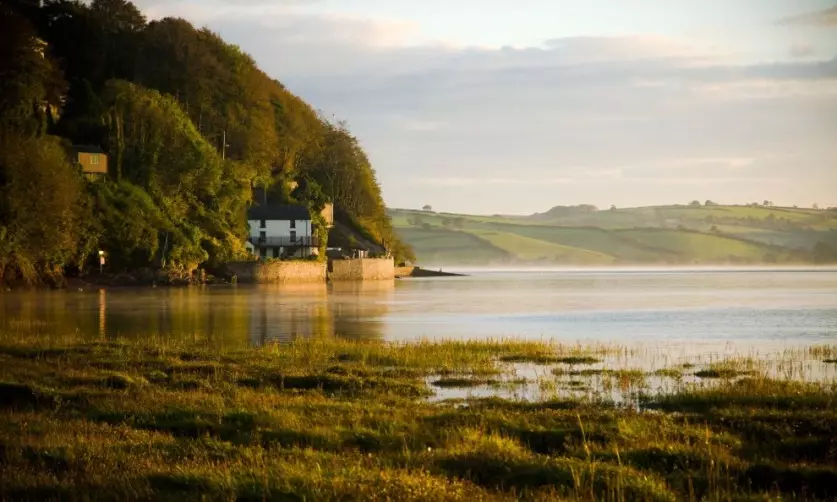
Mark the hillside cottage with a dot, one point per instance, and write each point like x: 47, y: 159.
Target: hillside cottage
x: 281, y: 231
x: 93, y: 161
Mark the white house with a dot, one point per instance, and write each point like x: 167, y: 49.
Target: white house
x: 280, y: 231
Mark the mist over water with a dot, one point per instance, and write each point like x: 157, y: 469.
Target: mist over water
x: 683, y: 309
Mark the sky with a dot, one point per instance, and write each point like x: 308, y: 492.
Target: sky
x: 516, y: 106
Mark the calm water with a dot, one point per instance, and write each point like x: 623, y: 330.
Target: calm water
x: 702, y: 308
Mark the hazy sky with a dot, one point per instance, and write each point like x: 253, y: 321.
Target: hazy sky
x: 514, y: 106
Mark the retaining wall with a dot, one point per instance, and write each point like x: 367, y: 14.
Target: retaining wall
x: 278, y: 272
x: 362, y: 269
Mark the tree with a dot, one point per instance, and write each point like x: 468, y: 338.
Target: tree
x: 118, y: 16
x: 30, y: 83
x: 427, y: 208
x: 189, y: 122
x: 130, y: 225
x: 347, y: 178
x: 44, y: 212
x: 309, y: 193
x: 156, y: 147
x: 695, y: 203
x: 710, y: 203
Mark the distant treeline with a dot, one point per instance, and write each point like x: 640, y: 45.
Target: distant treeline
x: 159, y: 98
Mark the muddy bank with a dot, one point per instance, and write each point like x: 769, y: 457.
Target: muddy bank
x: 404, y: 272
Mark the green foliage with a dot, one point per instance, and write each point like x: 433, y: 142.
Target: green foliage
x: 224, y: 93
x: 343, y: 171
x: 189, y: 122
x: 44, y: 212
x: 158, y: 148
x: 130, y: 222
x: 309, y: 193
x: 30, y: 82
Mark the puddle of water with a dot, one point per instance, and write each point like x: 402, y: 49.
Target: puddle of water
x: 626, y: 375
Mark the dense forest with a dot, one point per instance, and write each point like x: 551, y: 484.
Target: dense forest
x: 190, y: 124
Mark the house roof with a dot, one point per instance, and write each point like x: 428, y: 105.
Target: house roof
x: 87, y: 149
x: 278, y: 212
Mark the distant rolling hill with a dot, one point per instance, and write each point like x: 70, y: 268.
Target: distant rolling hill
x: 582, y: 235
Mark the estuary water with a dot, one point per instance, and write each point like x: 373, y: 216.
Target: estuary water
x: 690, y: 309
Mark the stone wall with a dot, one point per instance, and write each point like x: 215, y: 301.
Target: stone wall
x: 278, y: 272
x: 363, y: 269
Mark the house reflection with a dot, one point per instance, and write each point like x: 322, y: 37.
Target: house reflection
x: 286, y: 312
x: 359, y: 308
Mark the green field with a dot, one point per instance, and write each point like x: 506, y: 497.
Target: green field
x: 645, y: 235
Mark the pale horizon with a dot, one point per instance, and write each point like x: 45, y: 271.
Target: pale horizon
x: 516, y: 107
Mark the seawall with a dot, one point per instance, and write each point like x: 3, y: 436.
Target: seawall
x: 278, y: 272
x: 362, y: 269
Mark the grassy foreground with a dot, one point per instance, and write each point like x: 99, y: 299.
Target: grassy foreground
x: 339, y: 420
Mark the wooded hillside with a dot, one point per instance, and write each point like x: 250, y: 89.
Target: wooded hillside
x: 159, y: 98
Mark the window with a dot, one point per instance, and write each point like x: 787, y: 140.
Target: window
x: 94, y: 159
x: 293, y: 235
x: 276, y: 252
x: 263, y: 224
x: 293, y: 223
x: 262, y: 237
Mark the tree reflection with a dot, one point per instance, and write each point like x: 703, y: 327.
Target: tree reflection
x: 212, y: 316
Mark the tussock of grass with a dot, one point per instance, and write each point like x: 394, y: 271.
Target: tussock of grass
x: 462, y: 382
x: 721, y: 373
x: 501, y: 463
x: 340, y: 420
x: 669, y: 373
x: 549, y: 359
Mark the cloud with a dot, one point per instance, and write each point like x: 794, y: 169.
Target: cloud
x: 824, y: 18
x: 614, y: 119
x: 801, y: 49
x: 731, y: 162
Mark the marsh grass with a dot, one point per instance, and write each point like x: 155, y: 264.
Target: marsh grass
x: 341, y: 420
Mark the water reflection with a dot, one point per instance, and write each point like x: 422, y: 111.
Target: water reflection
x: 103, y: 309
x: 283, y: 313
x: 684, y: 311
x: 228, y: 316
x: 359, y: 308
